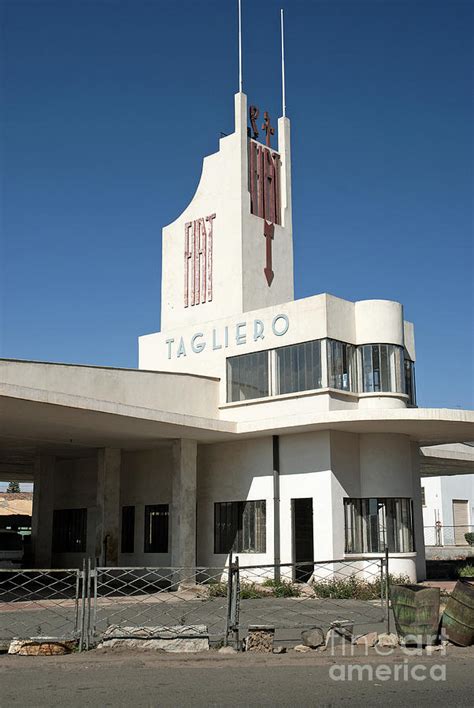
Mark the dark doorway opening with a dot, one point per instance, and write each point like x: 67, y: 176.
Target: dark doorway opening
x: 303, y: 548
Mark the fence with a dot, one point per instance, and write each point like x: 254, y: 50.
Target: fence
x: 42, y: 603
x: 440, y: 535
x: 181, y: 603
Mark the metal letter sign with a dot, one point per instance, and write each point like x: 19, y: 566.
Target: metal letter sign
x: 198, y: 235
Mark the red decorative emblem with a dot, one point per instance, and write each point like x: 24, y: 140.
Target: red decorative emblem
x: 198, y: 235
x: 268, y: 231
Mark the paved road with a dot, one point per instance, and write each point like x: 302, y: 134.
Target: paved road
x: 97, y: 679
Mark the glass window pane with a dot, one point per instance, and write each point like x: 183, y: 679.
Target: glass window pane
x: 299, y: 367
x: 341, y: 365
x: 247, y: 376
x: 372, y: 524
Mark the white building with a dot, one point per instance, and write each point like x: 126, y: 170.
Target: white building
x: 284, y: 429
x: 448, y: 501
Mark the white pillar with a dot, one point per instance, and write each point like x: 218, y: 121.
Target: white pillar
x: 183, y: 506
x: 43, y: 507
x: 108, y: 506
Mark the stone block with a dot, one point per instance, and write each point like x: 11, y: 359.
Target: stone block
x: 313, y: 638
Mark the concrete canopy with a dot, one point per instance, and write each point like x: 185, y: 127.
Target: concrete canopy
x: 80, y: 408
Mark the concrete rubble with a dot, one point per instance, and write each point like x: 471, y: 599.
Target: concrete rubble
x: 45, y: 646
x: 259, y: 639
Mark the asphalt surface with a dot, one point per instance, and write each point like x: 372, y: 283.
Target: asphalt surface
x: 211, y: 679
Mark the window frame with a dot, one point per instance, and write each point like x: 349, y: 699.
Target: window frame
x: 232, y: 526
x: 373, y: 523
x: 69, y: 530
x: 160, y: 544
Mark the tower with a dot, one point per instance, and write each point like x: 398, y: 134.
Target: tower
x: 231, y: 250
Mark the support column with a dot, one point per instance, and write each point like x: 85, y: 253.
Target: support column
x: 183, y: 506
x: 43, y: 507
x: 108, y: 503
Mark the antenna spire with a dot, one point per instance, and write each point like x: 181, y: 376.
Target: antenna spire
x: 283, y: 90
x: 240, y: 47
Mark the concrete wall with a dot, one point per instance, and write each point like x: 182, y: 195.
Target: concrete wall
x: 234, y: 471
x: 146, y: 478
x: 75, y: 487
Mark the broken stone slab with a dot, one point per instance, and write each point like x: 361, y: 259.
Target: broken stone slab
x: 313, y: 638
x: 186, y: 646
x: 178, y: 631
x: 41, y: 647
x: 176, y: 638
x: 387, y: 640
x: 366, y: 640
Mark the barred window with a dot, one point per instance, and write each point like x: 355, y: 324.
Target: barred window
x: 240, y: 526
x: 299, y: 367
x: 247, y: 376
x: 69, y: 530
x: 373, y: 524
x: 128, y: 529
x: 156, y: 528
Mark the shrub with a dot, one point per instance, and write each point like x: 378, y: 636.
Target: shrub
x: 469, y: 538
x: 282, y: 588
x: 354, y: 588
x: 467, y: 571
x: 217, y: 589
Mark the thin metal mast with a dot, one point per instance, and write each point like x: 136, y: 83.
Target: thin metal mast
x: 240, y: 47
x: 283, y: 89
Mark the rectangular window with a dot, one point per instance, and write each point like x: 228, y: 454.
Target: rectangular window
x: 128, y: 529
x: 240, y: 527
x: 299, y: 367
x: 69, y: 530
x: 156, y: 528
x: 410, y: 381
x: 423, y: 497
x: 247, y: 376
x: 372, y: 524
x: 341, y: 365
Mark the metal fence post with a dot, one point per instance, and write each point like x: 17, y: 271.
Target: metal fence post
x: 83, y: 606
x: 387, y: 585
x: 228, y: 620
x: 235, y: 610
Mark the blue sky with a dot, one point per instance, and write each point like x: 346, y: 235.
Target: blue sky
x: 108, y: 108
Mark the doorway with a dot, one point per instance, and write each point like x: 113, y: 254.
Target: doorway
x: 303, y: 547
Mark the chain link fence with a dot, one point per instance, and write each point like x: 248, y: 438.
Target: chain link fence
x: 440, y: 535
x: 292, y: 597
x: 41, y: 603
x: 215, y: 604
